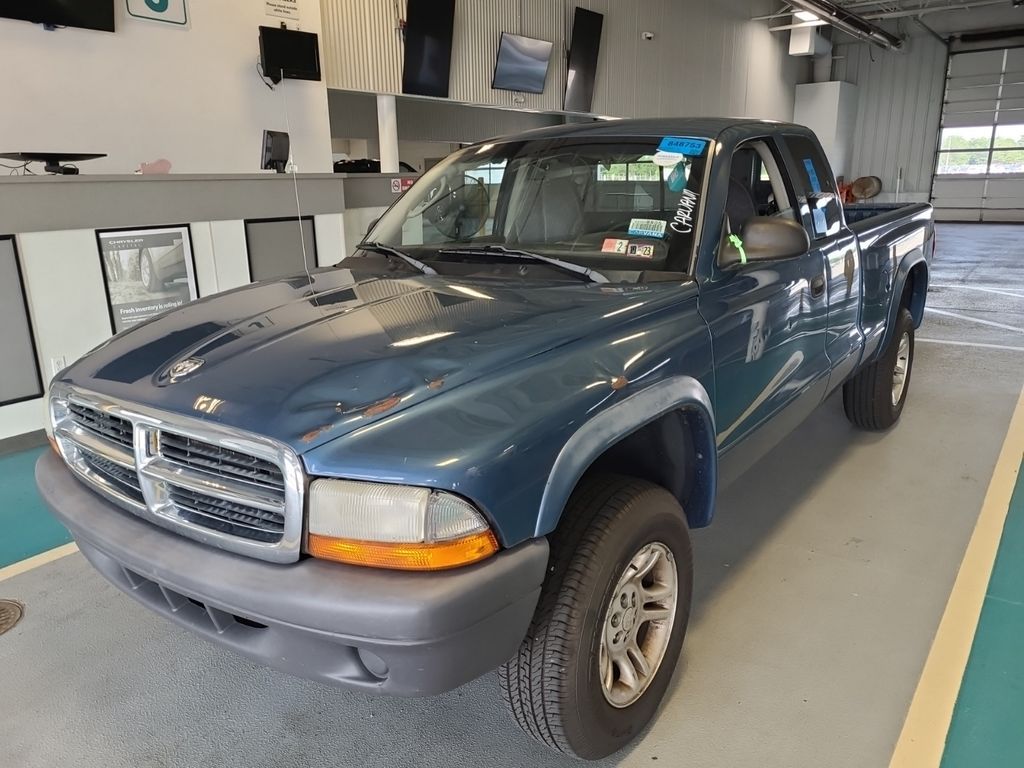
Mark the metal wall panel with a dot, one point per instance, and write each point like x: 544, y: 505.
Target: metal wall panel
x: 898, y: 113
x: 361, y: 47
x: 707, y: 57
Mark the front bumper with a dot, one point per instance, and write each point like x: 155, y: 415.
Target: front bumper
x: 406, y: 634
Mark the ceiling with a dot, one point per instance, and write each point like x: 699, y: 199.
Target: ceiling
x: 946, y: 17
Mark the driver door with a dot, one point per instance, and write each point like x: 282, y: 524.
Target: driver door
x: 767, y: 319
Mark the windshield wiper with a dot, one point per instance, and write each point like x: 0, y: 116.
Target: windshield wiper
x: 585, y: 273
x: 388, y: 250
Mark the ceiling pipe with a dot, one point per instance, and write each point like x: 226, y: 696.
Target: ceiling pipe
x: 850, y: 23
x: 921, y: 11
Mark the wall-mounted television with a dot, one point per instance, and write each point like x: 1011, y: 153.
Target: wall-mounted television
x: 583, y: 53
x: 522, y: 64
x: 428, y: 47
x: 287, y: 53
x: 87, y: 14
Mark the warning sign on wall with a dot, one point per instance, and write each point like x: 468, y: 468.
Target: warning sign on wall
x: 283, y: 9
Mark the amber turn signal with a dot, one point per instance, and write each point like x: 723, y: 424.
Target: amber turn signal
x: 424, y: 556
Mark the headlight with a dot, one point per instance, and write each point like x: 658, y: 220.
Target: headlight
x: 395, y: 526
x: 55, y: 400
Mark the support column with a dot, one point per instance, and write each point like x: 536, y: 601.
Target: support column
x: 387, y: 133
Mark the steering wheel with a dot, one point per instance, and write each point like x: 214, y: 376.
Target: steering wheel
x: 458, y: 212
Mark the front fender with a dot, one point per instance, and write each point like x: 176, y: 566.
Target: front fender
x: 613, y: 424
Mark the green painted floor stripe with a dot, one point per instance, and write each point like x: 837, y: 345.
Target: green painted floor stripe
x: 26, y: 525
x: 986, y: 729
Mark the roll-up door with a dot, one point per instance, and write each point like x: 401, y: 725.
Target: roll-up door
x: 979, y: 174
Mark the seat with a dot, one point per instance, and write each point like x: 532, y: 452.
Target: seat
x: 555, y: 215
x: 739, y: 205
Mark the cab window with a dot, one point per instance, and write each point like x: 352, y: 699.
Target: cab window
x: 816, y: 191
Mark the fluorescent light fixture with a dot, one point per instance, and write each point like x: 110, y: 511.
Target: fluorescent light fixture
x: 806, y: 16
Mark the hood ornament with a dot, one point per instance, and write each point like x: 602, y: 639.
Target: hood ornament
x: 183, y: 368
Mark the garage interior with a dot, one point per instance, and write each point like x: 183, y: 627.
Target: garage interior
x: 858, y: 600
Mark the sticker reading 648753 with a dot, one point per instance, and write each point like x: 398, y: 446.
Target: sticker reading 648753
x: 683, y: 145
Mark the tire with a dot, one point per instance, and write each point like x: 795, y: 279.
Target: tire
x: 870, y: 398
x: 148, y: 274
x: 553, y: 686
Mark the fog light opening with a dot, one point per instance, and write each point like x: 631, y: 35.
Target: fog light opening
x: 373, y: 663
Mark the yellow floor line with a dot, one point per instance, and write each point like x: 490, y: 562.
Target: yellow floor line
x: 923, y: 738
x: 49, y: 556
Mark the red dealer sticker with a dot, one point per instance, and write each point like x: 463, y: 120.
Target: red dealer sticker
x: 614, y: 245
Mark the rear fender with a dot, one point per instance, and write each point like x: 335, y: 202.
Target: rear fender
x: 911, y: 262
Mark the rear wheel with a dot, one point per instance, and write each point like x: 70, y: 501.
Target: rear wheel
x: 610, y: 622
x: 874, y: 398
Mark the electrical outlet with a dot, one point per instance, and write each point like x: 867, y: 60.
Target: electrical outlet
x: 58, y: 364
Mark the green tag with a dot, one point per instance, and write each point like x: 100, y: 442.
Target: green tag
x: 736, y: 243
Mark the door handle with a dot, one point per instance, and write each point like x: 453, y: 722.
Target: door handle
x: 818, y: 286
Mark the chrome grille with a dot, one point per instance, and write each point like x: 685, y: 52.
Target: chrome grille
x: 227, y: 516
x: 215, y: 459
x: 230, y: 491
x: 237, y: 491
x: 124, y: 480
x: 103, y: 425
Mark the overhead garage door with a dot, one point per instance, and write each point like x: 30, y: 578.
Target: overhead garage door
x: 979, y: 172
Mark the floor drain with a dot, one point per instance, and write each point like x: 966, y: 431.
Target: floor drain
x: 10, y: 614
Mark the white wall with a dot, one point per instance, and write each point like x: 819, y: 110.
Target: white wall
x: 899, y: 106
x: 68, y: 304
x: 152, y: 90
x: 707, y: 56
x: 830, y: 110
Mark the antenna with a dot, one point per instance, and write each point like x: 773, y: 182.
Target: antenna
x: 295, y: 185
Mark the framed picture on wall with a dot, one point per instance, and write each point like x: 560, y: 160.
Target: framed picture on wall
x: 21, y: 379
x: 280, y: 247
x: 146, y: 272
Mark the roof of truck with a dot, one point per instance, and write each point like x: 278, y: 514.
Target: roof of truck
x: 709, y: 127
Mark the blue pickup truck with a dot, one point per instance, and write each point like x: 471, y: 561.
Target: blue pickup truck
x: 481, y: 440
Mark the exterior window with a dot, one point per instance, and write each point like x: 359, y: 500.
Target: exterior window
x: 988, y: 149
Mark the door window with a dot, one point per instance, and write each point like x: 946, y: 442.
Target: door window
x: 816, y: 191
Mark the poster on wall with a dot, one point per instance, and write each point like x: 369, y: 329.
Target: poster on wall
x: 147, y: 272
x: 167, y: 11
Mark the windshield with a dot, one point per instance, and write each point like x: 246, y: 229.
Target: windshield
x: 615, y: 207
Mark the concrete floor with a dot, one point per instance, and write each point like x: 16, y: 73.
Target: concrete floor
x: 819, y: 588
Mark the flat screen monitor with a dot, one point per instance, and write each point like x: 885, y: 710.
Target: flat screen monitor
x: 276, y: 148
x: 286, y: 53
x: 583, y: 52
x: 428, y: 47
x: 87, y: 14
x: 522, y: 64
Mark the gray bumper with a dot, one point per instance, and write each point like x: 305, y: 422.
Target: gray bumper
x: 323, y: 621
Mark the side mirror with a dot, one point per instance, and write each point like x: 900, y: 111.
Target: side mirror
x: 765, y: 238
x: 370, y: 226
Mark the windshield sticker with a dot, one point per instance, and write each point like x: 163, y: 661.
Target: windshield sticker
x: 614, y: 245
x: 683, y: 145
x: 812, y: 175
x: 682, y: 222
x: 647, y: 227
x: 641, y: 251
x: 677, y: 179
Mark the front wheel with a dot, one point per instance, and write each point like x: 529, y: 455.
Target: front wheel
x: 148, y: 274
x: 874, y: 398
x: 609, y: 625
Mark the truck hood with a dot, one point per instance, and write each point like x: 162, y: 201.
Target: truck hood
x: 327, y: 355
